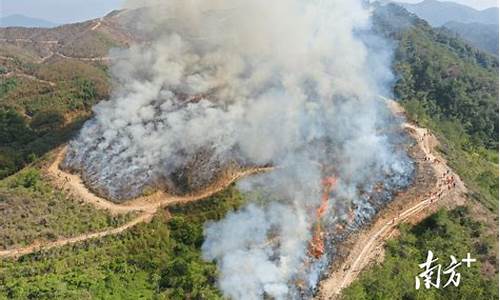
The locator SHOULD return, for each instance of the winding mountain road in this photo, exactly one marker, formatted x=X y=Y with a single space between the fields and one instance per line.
x=147 y=206
x=75 y=186
x=30 y=77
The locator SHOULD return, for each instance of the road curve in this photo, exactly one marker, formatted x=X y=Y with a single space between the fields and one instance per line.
x=147 y=206
x=75 y=186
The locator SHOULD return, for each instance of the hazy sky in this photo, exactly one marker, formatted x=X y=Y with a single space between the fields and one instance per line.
x=477 y=4
x=59 y=11
x=67 y=11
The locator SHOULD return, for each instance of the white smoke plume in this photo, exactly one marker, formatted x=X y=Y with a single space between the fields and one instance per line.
x=294 y=83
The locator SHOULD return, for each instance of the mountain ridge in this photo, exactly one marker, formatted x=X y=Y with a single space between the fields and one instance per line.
x=482 y=36
x=438 y=13
x=18 y=20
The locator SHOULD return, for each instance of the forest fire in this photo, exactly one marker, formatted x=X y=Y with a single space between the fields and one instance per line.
x=193 y=102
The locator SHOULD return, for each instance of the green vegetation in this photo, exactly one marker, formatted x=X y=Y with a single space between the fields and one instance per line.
x=22 y=141
x=159 y=260
x=444 y=233
x=452 y=88
x=36 y=117
x=31 y=210
x=6 y=85
x=449 y=87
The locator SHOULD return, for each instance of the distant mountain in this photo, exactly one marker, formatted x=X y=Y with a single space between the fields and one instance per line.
x=445 y=76
x=482 y=36
x=438 y=13
x=23 y=21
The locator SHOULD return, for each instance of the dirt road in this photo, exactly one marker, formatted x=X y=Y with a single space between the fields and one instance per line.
x=74 y=185
x=30 y=77
x=17 y=252
x=98 y=23
x=98 y=58
x=148 y=205
x=368 y=244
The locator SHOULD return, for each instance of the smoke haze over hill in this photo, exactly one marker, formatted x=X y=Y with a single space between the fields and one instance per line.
x=290 y=83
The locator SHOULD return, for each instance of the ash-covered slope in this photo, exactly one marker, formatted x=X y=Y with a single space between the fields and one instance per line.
x=219 y=87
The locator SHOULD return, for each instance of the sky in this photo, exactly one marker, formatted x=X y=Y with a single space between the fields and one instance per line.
x=477 y=4
x=69 y=11
x=59 y=11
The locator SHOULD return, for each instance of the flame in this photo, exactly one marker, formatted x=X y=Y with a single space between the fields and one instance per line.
x=317 y=245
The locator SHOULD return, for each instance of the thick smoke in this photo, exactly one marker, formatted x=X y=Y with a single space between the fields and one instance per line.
x=219 y=83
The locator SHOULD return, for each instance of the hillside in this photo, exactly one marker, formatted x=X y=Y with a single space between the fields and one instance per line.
x=33 y=211
x=447 y=233
x=84 y=41
x=438 y=13
x=51 y=78
x=159 y=260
